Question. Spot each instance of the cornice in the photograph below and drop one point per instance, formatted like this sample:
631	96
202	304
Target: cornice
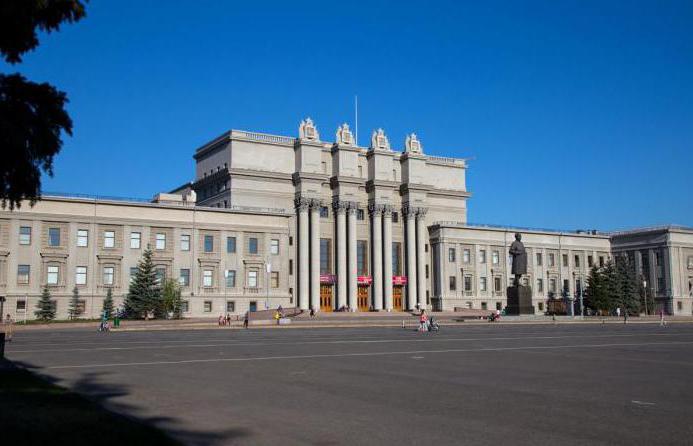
260	174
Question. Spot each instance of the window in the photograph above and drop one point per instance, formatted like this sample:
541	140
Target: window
274	246
601	261
468	283
482	256
497	284
207	279
209	243
291	267
453	283
552	260
25	235
552	285
23	272
360	214
82	238
230	278
540	285
160	241
135	240
577	261
324	212
185	306
540	306
21	305
53	272
590	261
108	239
160	274
53	236
208	306
362	257
108	273
540	260
252	279
566	285
252	245
231	244
484	305
395	217
184	278
325	256
466	256
499	306
679	305
230	306
291	241
482	284
427	270
495	257
565	260
185	242
451	254
133	273
274	279
81	275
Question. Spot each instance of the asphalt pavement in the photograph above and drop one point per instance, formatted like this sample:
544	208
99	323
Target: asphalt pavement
480	384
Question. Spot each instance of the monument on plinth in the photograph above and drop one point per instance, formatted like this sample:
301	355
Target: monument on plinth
519	296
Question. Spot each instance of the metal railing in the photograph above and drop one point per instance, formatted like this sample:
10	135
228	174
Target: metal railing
263	137
445	159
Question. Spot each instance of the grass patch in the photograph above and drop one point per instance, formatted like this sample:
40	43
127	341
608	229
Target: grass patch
34	411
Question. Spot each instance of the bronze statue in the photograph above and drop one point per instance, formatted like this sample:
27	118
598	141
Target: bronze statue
517	250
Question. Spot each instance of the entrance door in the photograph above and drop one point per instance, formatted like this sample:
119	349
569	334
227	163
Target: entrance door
397	298
363	298
325	297
253	306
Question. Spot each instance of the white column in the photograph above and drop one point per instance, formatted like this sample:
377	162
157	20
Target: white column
303	247
411	258
315	255
421	238
340	211
387	256
376	227
351	248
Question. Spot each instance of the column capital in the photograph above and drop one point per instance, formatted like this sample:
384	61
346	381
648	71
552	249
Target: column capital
408	211
388	210
421	213
376	209
340	206
315	203
301	203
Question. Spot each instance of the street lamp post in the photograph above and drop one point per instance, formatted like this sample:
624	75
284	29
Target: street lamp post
644	290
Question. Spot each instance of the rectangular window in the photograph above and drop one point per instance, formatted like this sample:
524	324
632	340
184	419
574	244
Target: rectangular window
207	279
324	212
497	284
252	279
466	256
590	261
230	245
209	243
540	285
25	235
82	238
108	273
565	260
252	245
360	214
133	273
325	256
577	261
108	239
185	242
53	272
552	285
291	241
81	275
185	306
184	278
21	305
23	272
362	257
468	283
427	270
451	254
395	217
274	279
453	283
601	261
540	260
53	236
230	306
396	259
482	284
552	260
160	274
484	305
274	246
482	256
230	278
135	240
160	241
495	257
291	267
208	306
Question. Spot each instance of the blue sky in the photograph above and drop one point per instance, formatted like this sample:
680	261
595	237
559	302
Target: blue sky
578	114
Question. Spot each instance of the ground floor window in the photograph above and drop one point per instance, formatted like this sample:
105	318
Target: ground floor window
208	306
499	306
541	306
484	306
230	306
185	306
679	305
253	306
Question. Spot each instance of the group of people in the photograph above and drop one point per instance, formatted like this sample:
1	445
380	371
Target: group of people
224	320
426	323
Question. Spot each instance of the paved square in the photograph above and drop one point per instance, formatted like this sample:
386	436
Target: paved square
473	384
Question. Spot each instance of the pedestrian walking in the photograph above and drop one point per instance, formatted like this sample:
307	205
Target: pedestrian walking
618	312
9	326
245	320
423	321
662	322
312	313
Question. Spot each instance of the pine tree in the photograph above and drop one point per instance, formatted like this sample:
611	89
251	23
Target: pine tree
144	295
629	296
73	310
45	310
596	296
611	286
108	308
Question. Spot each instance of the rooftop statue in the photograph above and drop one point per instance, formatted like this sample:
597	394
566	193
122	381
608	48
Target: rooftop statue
379	140
344	136
412	144
307	130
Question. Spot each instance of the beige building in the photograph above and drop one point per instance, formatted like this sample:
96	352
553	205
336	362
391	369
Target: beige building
275	220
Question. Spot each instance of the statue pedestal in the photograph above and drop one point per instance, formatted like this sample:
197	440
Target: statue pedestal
519	300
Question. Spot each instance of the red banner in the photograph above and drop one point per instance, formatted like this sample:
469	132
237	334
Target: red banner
364	280
399	280
328	278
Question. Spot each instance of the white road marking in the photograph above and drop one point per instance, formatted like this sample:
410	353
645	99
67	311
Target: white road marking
343	341
347	355
642	403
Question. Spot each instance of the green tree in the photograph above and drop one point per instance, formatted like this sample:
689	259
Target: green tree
171	299
144	295
628	290
596	296
108	307
45	310
74	311
32	115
